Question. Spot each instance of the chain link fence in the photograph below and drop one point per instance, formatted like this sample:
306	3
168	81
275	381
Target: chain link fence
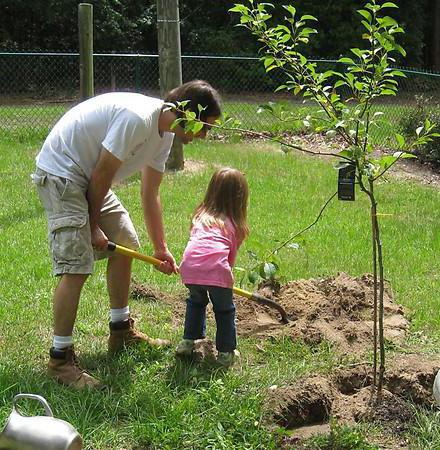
37	88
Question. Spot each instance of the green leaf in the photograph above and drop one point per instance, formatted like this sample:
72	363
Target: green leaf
269	270
346	153
238	8
387	161
280	88
253	277
268	61
401	50
341	165
365	14
347	61
340	83
291	9
404	155
358	85
389	5
388	92
308	17
400	140
397	73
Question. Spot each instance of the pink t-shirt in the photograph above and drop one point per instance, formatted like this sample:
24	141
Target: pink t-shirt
210	255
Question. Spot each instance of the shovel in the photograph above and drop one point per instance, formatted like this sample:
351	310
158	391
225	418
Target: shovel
111	246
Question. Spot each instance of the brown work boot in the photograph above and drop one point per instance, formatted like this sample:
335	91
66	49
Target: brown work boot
123	334
63	366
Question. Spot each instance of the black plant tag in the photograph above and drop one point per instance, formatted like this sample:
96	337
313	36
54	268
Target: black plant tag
346	182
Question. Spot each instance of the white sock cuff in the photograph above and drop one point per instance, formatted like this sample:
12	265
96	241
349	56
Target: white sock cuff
119	314
60	342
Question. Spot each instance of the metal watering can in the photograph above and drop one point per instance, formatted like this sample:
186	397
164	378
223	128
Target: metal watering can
38	432
436	388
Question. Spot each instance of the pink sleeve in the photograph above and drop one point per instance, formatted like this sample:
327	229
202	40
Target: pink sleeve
235	244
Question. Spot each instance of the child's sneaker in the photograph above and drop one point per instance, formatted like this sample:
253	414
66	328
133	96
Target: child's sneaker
226	359
185	348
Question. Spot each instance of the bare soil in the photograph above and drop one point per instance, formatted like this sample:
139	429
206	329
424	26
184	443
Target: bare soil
405	169
336	309
347	395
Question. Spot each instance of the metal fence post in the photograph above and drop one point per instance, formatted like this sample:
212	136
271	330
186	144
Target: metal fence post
85	29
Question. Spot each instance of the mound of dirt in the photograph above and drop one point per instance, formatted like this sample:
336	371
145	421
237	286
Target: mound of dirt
347	395
337	309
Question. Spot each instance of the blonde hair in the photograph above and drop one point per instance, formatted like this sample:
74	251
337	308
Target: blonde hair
226	197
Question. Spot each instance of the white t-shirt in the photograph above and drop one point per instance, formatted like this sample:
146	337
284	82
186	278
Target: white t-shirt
124	123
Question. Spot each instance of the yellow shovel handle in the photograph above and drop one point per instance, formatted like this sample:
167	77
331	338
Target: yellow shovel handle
132	253
111	246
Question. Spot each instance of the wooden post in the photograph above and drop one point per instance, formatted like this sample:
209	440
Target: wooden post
170	65
85	29
436	35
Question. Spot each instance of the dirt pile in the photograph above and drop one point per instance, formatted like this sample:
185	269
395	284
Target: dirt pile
338	309
347	396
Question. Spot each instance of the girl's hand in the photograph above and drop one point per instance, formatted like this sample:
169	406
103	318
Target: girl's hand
168	265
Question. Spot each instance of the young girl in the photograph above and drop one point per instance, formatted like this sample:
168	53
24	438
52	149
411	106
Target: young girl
219	226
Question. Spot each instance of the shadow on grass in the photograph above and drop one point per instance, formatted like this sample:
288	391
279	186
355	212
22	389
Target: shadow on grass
185	374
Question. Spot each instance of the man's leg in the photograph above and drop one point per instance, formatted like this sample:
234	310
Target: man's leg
65	302
72	259
63	365
122	332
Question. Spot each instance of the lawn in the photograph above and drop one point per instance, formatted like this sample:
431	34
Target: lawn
152	400
20	122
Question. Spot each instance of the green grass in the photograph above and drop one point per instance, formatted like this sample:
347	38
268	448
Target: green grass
154	401
18	123
382	134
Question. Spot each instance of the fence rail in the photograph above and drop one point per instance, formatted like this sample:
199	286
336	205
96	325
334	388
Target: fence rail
37	88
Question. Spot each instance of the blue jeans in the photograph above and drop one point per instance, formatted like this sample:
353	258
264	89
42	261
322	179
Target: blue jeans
224	310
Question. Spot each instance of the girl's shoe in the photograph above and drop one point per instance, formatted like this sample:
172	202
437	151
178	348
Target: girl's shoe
185	348
226	359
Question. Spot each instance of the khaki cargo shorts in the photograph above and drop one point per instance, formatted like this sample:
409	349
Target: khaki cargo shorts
69	235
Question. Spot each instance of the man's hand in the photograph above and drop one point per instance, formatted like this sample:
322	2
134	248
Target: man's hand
168	264
99	239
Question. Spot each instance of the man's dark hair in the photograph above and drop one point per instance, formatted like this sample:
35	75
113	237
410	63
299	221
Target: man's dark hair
197	92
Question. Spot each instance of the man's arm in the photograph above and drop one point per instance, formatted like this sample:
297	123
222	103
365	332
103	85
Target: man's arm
100	183
151	180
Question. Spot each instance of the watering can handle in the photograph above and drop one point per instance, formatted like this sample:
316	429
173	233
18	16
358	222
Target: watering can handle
41	399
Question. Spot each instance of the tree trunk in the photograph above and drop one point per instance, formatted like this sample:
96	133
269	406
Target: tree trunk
378	299
374	247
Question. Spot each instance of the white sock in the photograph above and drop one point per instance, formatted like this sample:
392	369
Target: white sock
119	314
61	342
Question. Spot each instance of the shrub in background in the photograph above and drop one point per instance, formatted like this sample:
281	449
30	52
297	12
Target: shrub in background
425	110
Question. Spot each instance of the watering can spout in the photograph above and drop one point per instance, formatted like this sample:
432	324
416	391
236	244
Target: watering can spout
38	432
